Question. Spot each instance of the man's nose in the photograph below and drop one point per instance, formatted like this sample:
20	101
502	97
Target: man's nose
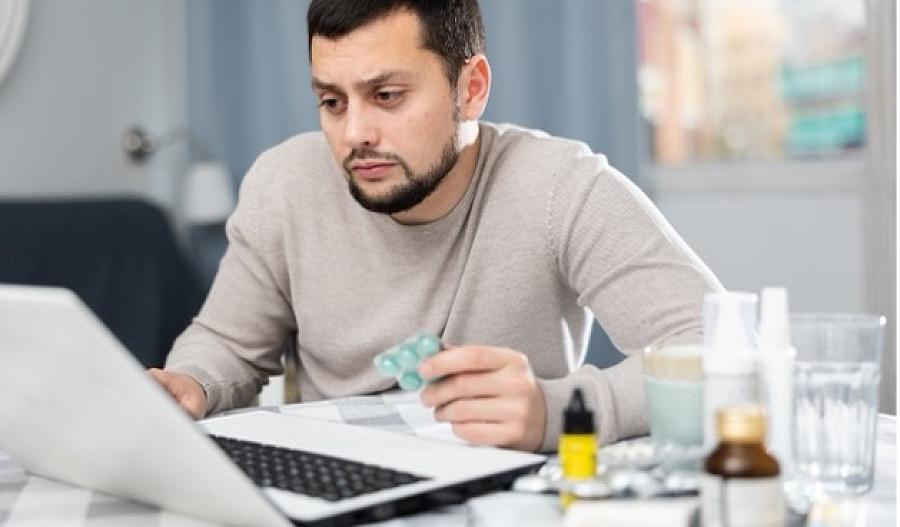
361	130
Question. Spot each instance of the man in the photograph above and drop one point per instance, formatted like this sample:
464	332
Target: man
405	214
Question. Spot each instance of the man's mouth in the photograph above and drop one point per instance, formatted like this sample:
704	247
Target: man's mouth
371	170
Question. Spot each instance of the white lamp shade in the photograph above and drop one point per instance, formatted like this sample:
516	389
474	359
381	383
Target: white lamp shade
13	20
208	194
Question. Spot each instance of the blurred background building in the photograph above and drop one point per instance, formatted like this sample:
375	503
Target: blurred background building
751	79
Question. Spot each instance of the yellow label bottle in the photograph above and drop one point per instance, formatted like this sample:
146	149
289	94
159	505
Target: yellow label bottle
577	446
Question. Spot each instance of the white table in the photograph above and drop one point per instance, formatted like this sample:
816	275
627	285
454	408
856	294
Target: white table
27	500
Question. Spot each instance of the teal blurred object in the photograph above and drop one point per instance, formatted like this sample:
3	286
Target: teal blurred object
387	366
407	357
828	130
826	105
675	410
410	381
402	360
824	80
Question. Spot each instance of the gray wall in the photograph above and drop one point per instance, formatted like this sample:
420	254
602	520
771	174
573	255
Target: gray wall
248	81
811	242
86	71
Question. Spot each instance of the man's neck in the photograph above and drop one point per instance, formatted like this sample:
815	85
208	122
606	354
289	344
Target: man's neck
451	189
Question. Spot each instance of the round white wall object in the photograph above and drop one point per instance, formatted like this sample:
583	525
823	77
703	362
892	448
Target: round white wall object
13	19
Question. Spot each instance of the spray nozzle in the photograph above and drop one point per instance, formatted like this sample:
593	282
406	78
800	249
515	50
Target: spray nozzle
774	327
730	321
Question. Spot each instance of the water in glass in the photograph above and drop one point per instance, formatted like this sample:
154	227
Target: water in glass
834	426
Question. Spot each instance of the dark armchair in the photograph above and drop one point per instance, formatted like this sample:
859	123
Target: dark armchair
119	255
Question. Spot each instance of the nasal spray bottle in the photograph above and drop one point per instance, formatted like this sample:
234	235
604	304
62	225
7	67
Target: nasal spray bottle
777	379
730	362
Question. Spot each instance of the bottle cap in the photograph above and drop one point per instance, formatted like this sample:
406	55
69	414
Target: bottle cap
577	418
741	423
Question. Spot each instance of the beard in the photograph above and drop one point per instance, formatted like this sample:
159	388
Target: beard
414	189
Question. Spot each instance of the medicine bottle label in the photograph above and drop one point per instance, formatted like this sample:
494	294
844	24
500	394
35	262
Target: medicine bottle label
742	502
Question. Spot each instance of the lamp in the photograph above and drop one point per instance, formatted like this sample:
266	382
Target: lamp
13	20
208	193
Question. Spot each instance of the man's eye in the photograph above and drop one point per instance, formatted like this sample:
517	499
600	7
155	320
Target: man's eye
330	104
388	96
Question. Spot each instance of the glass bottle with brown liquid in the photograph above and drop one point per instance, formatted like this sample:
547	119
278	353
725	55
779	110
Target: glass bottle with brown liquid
742	485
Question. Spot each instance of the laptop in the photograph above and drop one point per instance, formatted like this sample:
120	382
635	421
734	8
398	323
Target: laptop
77	407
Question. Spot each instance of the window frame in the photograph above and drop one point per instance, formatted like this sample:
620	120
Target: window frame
843	174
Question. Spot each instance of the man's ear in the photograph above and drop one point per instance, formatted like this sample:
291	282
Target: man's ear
473	87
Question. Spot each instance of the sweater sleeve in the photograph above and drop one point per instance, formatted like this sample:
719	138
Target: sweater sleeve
236	341
631	269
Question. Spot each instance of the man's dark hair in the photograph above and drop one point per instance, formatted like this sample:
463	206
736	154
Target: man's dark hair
452	29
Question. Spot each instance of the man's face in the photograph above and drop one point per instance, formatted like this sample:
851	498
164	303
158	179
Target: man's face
387	110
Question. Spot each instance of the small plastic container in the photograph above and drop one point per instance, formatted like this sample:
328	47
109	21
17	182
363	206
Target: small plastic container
731	360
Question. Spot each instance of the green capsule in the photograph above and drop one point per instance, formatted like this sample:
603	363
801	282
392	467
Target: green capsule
387	365
407	357
410	381
427	345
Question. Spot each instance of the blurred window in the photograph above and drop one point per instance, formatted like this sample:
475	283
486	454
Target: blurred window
752	80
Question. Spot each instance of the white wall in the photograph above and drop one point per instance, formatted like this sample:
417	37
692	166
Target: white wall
86	72
810	242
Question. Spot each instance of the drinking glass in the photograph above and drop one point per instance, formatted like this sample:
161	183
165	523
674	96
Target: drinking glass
673	383
836	380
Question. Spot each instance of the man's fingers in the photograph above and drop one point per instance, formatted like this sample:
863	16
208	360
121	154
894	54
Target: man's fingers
173	384
482	409
486	433
489	395
461	359
163	379
462	385
194	405
181	388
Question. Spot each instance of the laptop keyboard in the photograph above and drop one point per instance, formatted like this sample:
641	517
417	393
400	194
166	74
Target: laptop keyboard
315	475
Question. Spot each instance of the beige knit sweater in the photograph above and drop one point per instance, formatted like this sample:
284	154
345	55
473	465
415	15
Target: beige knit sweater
546	233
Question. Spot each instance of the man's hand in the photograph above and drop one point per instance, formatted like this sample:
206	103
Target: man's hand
489	395
186	391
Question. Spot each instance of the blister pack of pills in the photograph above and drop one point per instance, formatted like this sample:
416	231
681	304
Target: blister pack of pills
402	361
629	469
